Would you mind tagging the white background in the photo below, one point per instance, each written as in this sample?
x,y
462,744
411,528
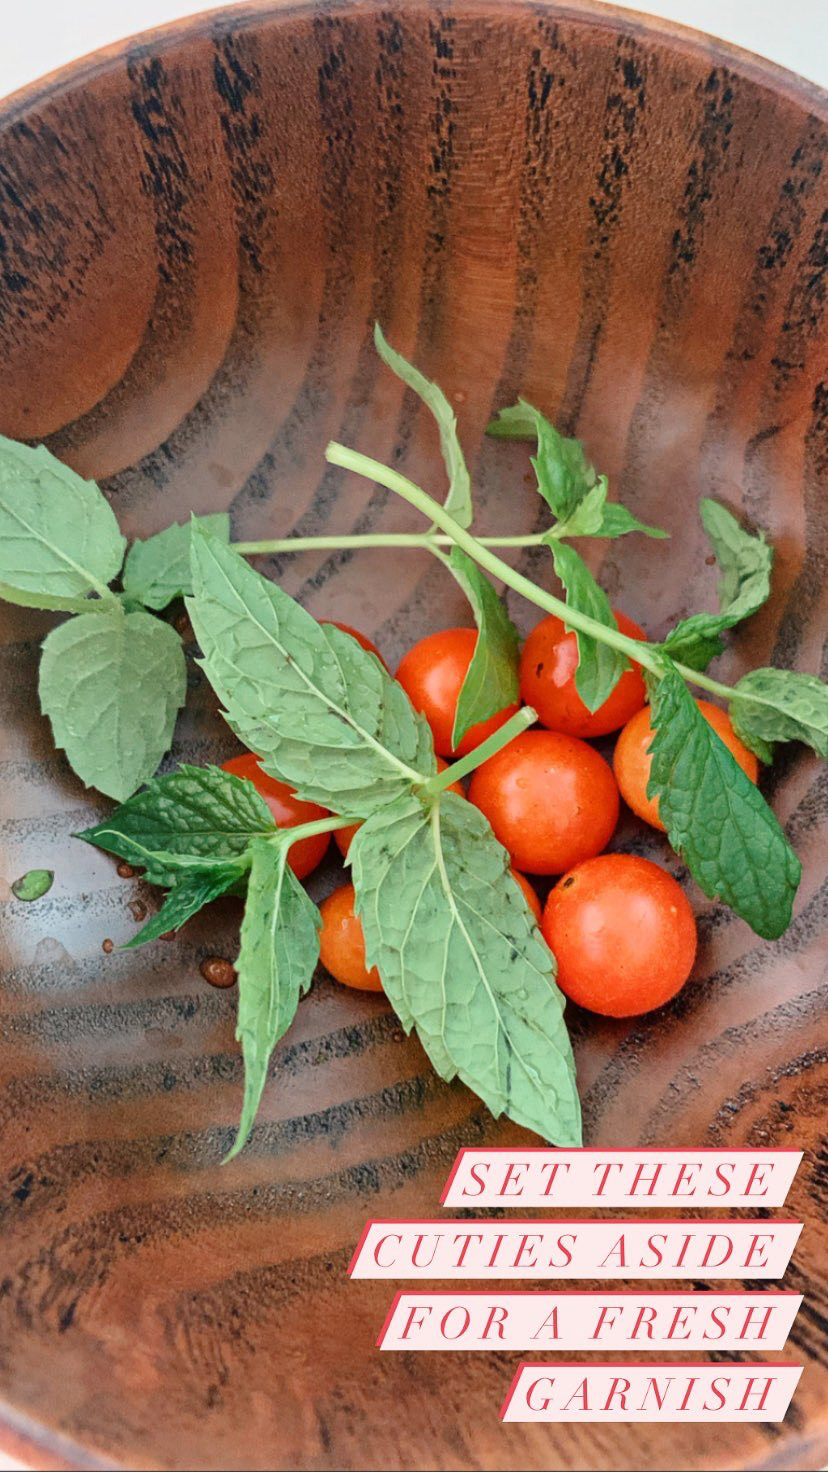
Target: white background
x,y
39,35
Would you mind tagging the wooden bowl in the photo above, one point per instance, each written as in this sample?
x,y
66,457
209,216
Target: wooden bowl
x,y
619,219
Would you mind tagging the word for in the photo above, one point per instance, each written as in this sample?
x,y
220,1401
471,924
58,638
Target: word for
x,y
621,1177
574,1249
480,1319
624,1392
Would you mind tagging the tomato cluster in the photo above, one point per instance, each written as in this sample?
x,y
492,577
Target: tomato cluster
x,y
620,926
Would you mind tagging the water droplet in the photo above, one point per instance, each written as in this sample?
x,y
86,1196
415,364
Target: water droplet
x,y
218,971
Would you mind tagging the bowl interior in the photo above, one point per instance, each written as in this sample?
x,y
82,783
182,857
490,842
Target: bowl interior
x,y
618,221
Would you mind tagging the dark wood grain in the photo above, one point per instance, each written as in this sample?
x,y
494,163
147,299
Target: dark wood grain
x,y
627,224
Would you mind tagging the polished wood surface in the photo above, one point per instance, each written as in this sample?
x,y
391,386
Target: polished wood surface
x,y
627,224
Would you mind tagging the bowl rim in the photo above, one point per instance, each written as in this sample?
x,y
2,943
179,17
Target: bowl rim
x,y
242,16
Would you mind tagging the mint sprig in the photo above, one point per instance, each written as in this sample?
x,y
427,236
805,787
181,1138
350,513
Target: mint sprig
x,y
745,561
715,817
321,713
463,962
112,686
278,955
491,681
157,570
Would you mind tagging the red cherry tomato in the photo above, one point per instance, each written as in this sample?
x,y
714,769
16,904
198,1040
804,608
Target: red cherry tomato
x,y
547,682
631,761
355,634
432,675
529,894
288,810
342,944
623,933
551,800
343,836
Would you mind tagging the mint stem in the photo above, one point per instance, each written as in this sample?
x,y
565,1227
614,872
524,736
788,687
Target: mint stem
x,y
375,539
310,830
360,464
517,723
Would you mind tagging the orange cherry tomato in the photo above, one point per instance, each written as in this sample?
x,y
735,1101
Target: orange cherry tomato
x,y
355,634
529,894
342,944
551,800
432,675
343,836
288,812
623,933
548,663
632,763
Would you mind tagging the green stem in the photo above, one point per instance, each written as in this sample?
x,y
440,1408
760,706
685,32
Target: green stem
x,y
375,539
520,721
573,617
310,830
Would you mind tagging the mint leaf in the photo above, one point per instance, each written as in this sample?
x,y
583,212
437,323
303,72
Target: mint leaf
x,y
745,561
190,893
112,686
780,705
716,818
563,471
595,516
157,570
462,960
600,667
59,539
617,521
492,677
322,713
197,818
279,952
458,501
33,885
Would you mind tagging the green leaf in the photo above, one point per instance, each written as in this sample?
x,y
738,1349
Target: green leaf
x,y
716,818
745,561
458,501
462,960
190,893
321,712
617,521
112,687
595,516
279,952
600,667
492,677
59,539
197,818
780,705
158,569
563,471
33,885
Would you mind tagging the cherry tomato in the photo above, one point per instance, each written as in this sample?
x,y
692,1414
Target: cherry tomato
x,y
432,675
342,944
551,800
288,812
343,836
623,933
355,634
547,682
632,764
529,894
